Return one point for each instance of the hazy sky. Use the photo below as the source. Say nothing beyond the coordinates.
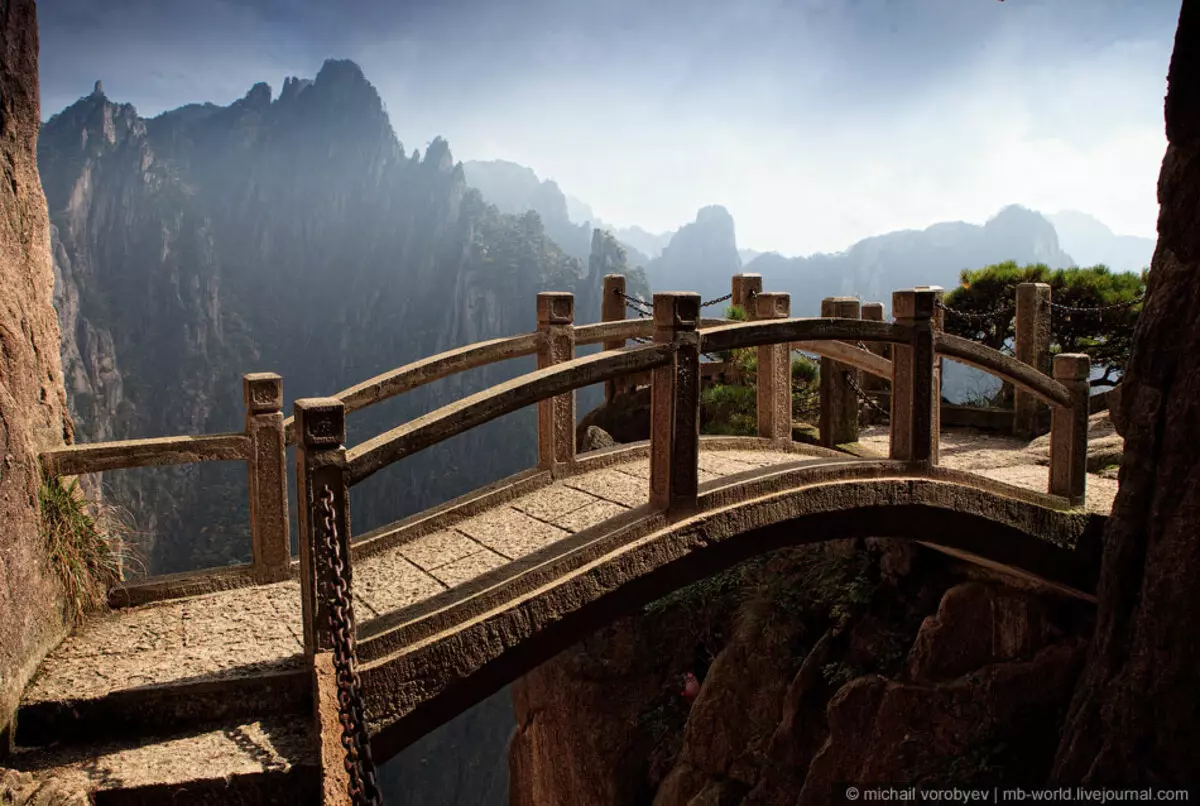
(816, 122)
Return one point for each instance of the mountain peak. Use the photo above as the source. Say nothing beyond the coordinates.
(342, 72)
(98, 89)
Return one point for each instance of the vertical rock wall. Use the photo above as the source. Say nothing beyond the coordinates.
(32, 399)
(1136, 713)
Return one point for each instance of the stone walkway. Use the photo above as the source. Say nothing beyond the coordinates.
(246, 631)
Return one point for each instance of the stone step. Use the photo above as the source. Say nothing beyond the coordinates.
(162, 709)
(269, 761)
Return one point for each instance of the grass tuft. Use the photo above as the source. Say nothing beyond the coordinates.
(83, 545)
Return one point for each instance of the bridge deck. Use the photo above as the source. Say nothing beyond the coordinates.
(247, 631)
(241, 634)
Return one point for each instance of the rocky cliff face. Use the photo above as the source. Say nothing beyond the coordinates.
(701, 256)
(291, 234)
(874, 662)
(33, 411)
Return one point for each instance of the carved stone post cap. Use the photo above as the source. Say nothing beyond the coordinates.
(915, 303)
(320, 421)
(614, 279)
(1072, 366)
(555, 308)
(743, 286)
(677, 310)
(872, 311)
(749, 276)
(772, 305)
(840, 307)
(1033, 285)
(262, 392)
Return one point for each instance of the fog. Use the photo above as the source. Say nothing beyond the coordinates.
(815, 122)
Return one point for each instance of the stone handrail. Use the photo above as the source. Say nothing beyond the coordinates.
(786, 331)
(75, 460)
(474, 410)
(1007, 368)
(628, 329)
(849, 354)
(427, 370)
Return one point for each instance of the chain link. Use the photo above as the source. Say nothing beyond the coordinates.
(715, 301)
(360, 768)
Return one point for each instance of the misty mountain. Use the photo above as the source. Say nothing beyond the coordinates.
(875, 267)
(647, 243)
(701, 256)
(1091, 242)
(515, 190)
(291, 234)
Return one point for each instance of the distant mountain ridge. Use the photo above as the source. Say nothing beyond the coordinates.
(1092, 242)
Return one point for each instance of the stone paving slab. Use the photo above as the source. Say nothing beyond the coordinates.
(251, 748)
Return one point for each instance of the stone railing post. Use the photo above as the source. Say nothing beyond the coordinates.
(270, 538)
(320, 464)
(743, 289)
(612, 309)
(556, 415)
(1069, 429)
(1033, 347)
(873, 386)
(839, 404)
(675, 405)
(774, 383)
(914, 400)
(939, 326)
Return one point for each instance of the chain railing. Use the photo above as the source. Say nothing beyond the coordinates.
(865, 397)
(360, 768)
(712, 302)
(635, 304)
(1099, 310)
(987, 316)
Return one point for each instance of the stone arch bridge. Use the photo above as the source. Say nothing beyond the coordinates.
(220, 686)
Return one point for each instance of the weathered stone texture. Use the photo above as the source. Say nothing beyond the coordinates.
(1136, 714)
(32, 400)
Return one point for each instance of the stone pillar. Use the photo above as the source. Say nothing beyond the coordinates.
(320, 424)
(556, 415)
(335, 782)
(913, 437)
(270, 539)
(612, 309)
(939, 326)
(675, 405)
(875, 387)
(744, 288)
(774, 384)
(839, 403)
(1033, 347)
(1068, 429)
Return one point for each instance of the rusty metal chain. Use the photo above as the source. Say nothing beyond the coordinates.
(360, 768)
(865, 398)
(715, 301)
(1096, 309)
(635, 304)
(1003, 313)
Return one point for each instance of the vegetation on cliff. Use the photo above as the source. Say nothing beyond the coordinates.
(985, 306)
(83, 544)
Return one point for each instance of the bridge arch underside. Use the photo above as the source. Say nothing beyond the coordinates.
(430, 665)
